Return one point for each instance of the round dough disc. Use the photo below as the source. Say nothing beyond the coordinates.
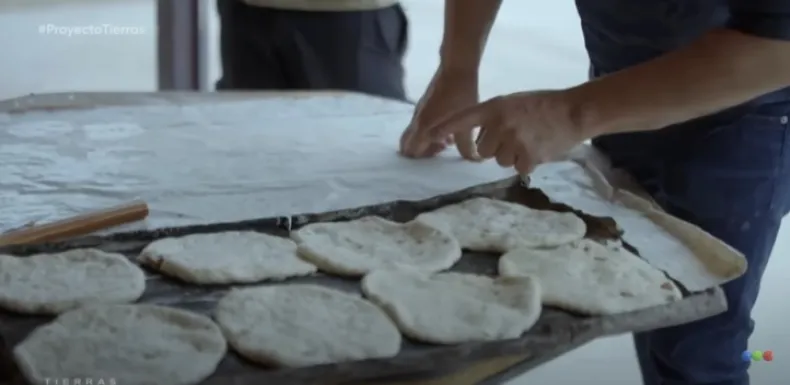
(591, 278)
(455, 308)
(225, 258)
(484, 224)
(127, 344)
(304, 325)
(357, 247)
(54, 283)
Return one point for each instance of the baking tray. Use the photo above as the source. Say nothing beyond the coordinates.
(557, 331)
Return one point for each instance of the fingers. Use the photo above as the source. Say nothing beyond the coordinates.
(466, 145)
(410, 147)
(491, 143)
(506, 154)
(460, 122)
(524, 163)
(404, 140)
(413, 144)
(424, 150)
(432, 150)
(488, 143)
(459, 128)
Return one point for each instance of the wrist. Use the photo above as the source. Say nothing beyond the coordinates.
(459, 60)
(458, 74)
(458, 70)
(585, 114)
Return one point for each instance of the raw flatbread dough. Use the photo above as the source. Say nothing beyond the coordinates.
(304, 325)
(455, 308)
(54, 283)
(127, 344)
(484, 224)
(225, 258)
(591, 278)
(357, 247)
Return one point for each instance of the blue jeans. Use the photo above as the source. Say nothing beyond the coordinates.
(731, 177)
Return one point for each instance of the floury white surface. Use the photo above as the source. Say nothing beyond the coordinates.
(534, 44)
(184, 163)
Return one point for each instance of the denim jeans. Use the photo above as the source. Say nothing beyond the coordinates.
(731, 177)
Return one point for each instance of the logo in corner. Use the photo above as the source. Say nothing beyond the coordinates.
(757, 355)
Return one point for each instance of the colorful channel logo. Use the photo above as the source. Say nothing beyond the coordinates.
(758, 355)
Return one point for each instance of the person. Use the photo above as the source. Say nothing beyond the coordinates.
(353, 45)
(692, 98)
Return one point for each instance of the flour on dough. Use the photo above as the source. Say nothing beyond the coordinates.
(455, 308)
(484, 224)
(54, 283)
(225, 258)
(591, 278)
(356, 247)
(294, 325)
(131, 344)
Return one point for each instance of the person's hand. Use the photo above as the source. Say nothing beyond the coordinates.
(522, 129)
(450, 91)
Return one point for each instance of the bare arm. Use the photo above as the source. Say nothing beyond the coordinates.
(724, 68)
(467, 24)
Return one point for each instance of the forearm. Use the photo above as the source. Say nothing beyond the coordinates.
(467, 24)
(723, 69)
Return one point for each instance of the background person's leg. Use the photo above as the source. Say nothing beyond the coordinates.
(734, 182)
(247, 48)
(355, 51)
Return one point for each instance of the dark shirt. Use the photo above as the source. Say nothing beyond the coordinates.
(622, 33)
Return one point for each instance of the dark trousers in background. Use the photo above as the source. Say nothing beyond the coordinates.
(731, 177)
(274, 49)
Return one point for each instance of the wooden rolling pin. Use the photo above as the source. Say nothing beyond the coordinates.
(76, 226)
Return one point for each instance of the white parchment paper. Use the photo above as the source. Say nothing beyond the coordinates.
(217, 161)
(685, 252)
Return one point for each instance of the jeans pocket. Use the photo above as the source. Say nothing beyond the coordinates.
(752, 144)
(737, 170)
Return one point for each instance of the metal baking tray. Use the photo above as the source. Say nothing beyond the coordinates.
(556, 332)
